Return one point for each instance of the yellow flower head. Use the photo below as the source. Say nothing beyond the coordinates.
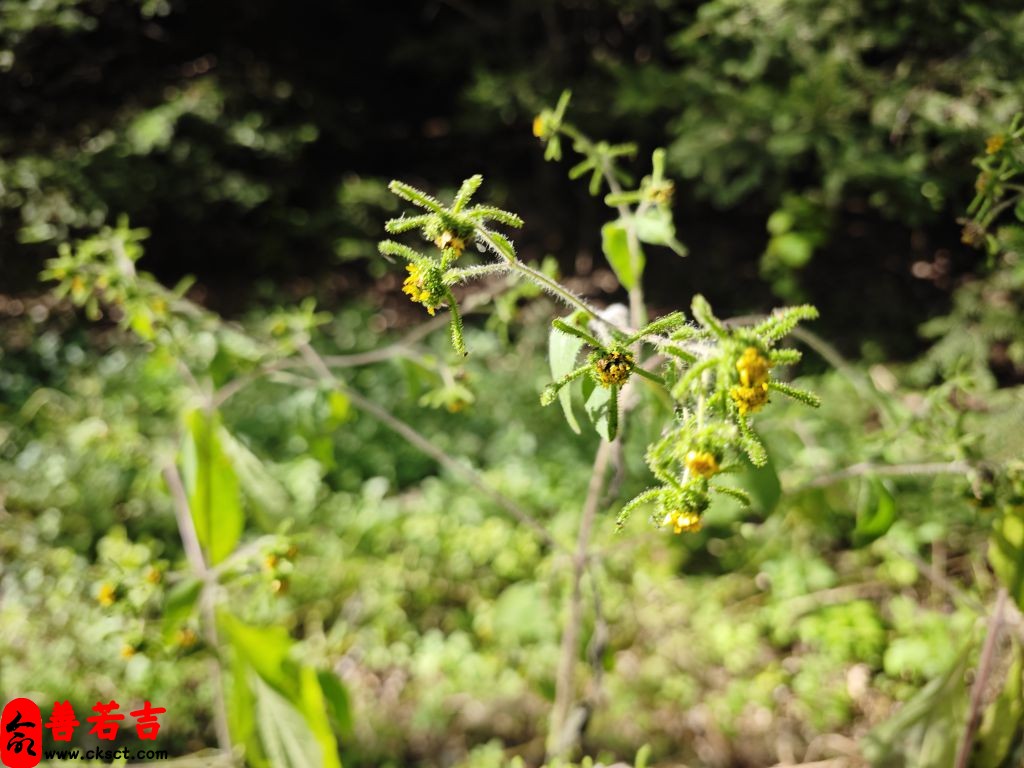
(127, 651)
(187, 637)
(538, 126)
(750, 399)
(414, 286)
(682, 520)
(702, 463)
(994, 143)
(107, 595)
(450, 240)
(753, 368)
(614, 368)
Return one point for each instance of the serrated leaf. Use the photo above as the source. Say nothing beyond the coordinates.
(212, 485)
(615, 244)
(563, 350)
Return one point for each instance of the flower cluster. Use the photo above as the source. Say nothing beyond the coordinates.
(451, 229)
(718, 377)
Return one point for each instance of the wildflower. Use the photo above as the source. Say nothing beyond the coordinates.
(683, 520)
(702, 463)
(994, 143)
(613, 369)
(127, 651)
(107, 595)
(416, 286)
(751, 394)
(449, 239)
(538, 126)
(270, 562)
(154, 576)
(187, 637)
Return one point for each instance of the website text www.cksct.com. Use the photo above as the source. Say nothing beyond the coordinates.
(106, 755)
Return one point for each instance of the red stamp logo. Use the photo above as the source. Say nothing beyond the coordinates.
(21, 734)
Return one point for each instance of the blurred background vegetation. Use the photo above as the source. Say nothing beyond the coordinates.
(823, 152)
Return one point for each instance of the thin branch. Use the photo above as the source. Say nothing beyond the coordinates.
(414, 438)
(194, 555)
(559, 740)
(988, 652)
(866, 468)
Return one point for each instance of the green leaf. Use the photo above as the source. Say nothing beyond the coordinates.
(286, 737)
(599, 406)
(212, 485)
(563, 350)
(1006, 551)
(876, 516)
(615, 244)
(656, 227)
(338, 705)
(267, 652)
(265, 649)
(181, 602)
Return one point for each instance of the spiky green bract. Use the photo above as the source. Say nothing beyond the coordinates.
(626, 512)
(458, 339)
(702, 314)
(665, 324)
(808, 398)
(550, 392)
(782, 321)
(573, 330)
(451, 229)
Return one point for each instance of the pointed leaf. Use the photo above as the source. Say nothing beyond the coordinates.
(212, 484)
(562, 353)
(615, 244)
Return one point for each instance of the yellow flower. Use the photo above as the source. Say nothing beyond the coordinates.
(538, 126)
(270, 562)
(994, 143)
(751, 394)
(662, 193)
(614, 368)
(450, 240)
(107, 595)
(127, 651)
(413, 286)
(186, 637)
(153, 576)
(702, 463)
(750, 399)
(683, 520)
(753, 367)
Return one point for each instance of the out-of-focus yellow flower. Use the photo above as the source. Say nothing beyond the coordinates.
(107, 595)
(538, 126)
(450, 240)
(994, 143)
(682, 520)
(702, 463)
